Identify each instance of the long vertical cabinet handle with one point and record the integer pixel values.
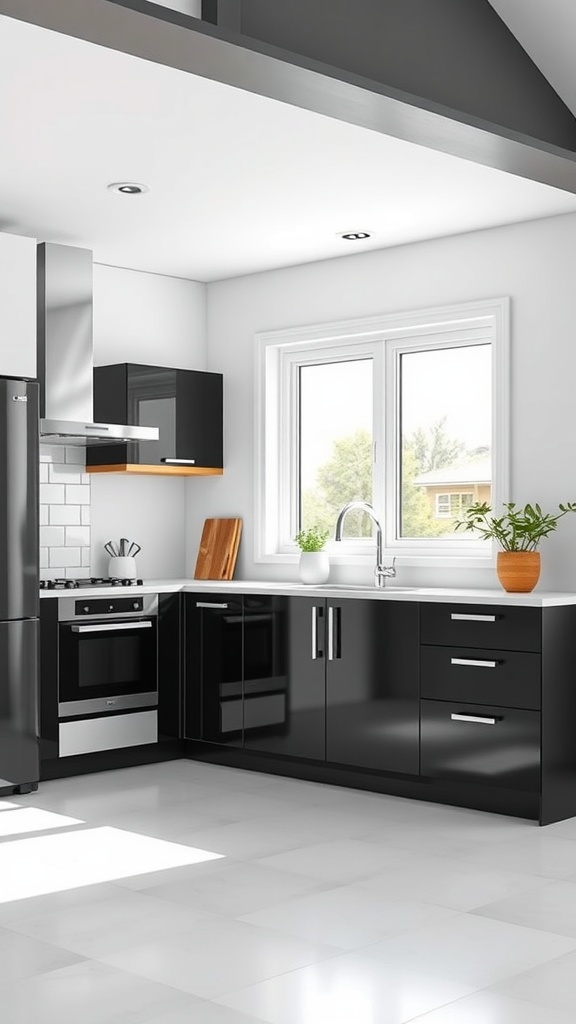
(334, 638)
(315, 652)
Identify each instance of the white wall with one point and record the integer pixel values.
(533, 263)
(145, 318)
(17, 306)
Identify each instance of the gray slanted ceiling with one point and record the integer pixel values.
(443, 74)
(456, 53)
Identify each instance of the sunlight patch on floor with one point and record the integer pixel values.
(44, 864)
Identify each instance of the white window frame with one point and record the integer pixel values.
(384, 339)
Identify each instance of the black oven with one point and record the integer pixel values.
(107, 654)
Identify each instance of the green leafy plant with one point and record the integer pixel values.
(518, 529)
(313, 539)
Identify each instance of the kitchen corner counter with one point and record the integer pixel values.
(537, 599)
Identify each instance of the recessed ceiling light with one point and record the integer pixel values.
(354, 236)
(127, 188)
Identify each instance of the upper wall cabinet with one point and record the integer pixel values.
(186, 405)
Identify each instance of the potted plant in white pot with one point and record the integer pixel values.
(314, 561)
(518, 531)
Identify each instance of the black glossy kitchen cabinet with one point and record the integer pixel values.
(214, 666)
(498, 708)
(186, 406)
(304, 677)
(284, 687)
(372, 685)
(248, 682)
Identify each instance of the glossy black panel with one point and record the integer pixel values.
(500, 748)
(48, 695)
(107, 664)
(558, 796)
(19, 457)
(186, 406)
(169, 666)
(284, 688)
(199, 424)
(372, 685)
(19, 759)
(479, 676)
(214, 663)
(466, 625)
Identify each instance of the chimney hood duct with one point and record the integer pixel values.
(65, 353)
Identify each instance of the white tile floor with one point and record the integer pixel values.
(184, 893)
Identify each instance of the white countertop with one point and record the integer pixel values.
(537, 599)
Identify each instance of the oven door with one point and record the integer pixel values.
(107, 666)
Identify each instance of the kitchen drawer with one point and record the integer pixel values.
(504, 678)
(495, 627)
(500, 748)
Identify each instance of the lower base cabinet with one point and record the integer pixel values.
(493, 746)
(462, 704)
(308, 678)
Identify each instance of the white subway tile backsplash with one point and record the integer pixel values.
(65, 557)
(51, 453)
(77, 536)
(52, 536)
(52, 494)
(77, 572)
(65, 515)
(78, 495)
(59, 474)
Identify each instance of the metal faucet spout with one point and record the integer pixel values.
(381, 572)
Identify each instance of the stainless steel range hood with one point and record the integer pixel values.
(65, 353)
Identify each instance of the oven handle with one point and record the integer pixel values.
(108, 627)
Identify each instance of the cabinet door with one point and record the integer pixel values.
(372, 685)
(213, 704)
(491, 745)
(284, 680)
(199, 423)
(152, 403)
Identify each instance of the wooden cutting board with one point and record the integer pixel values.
(218, 549)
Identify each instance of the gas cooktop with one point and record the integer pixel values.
(93, 581)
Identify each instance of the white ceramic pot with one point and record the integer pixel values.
(314, 567)
(122, 568)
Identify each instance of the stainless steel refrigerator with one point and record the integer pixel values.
(19, 593)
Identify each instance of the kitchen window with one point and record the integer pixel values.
(408, 412)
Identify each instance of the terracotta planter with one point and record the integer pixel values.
(518, 571)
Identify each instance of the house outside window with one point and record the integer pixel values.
(407, 412)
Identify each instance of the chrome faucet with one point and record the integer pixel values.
(381, 572)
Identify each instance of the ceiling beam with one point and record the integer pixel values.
(155, 33)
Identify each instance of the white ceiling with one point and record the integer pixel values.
(238, 183)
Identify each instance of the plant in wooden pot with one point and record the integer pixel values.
(518, 531)
(314, 561)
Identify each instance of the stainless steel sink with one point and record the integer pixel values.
(369, 588)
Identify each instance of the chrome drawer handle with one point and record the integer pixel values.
(211, 604)
(475, 662)
(474, 718)
(472, 618)
(330, 634)
(179, 462)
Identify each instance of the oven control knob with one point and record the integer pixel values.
(86, 608)
(136, 605)
(110, 607)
